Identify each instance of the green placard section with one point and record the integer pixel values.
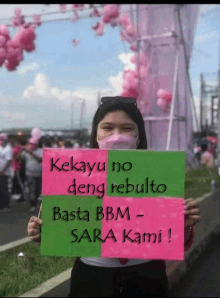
(130, 173)
(58, 224)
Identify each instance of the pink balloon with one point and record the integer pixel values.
(167, 95)
(161, 103)
(133, 48)
(111, 10)
(17, 11)
(134, 83)
(131, 30)
(13, 42)
(11, 66)
(133, 59)
(125, 85)
(125, 94)
(100, 29)
(2, 53)
(133, 93)
(29, 47)
(124, 20)
(160, 93)
(4, 30)
(2, 41)
(143, 72)
(106, 18)
(36, 132)
(129, 76)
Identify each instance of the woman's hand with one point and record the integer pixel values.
(192, 212)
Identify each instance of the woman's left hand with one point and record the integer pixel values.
(192, 211)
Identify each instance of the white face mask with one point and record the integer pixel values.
(118, 141)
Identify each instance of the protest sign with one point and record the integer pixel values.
(113, 203)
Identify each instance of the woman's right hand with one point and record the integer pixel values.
(34, 228)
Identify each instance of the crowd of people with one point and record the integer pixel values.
(204, 155)
(21, 168)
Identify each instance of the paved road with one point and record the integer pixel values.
(203, 280)
(13, 225)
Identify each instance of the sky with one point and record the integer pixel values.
(41, 90)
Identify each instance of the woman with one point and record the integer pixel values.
(33, 157)
(115, 124)
(207, 157)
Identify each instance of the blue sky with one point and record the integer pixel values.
(57, 73)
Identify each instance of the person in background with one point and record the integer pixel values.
(61, 143)
(68, 144)
(17, 184)
(197, 151)
(54, 144)
(207, 157)
(33, 157)
(47, 144)
(6, 156)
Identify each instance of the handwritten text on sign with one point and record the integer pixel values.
(104, 223)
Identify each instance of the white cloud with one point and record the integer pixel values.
(12, 117)
(23, 70)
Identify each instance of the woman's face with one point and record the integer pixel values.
(116, 122)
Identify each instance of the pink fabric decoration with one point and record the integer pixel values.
(124, 20)
(2, 41)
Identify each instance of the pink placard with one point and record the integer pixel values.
(160, 215)
(62, 168)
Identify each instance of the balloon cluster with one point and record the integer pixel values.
(36, 134)
(164, 99)
(12, 48)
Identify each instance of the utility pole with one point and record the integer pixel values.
(218, 139)
(71, 118)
